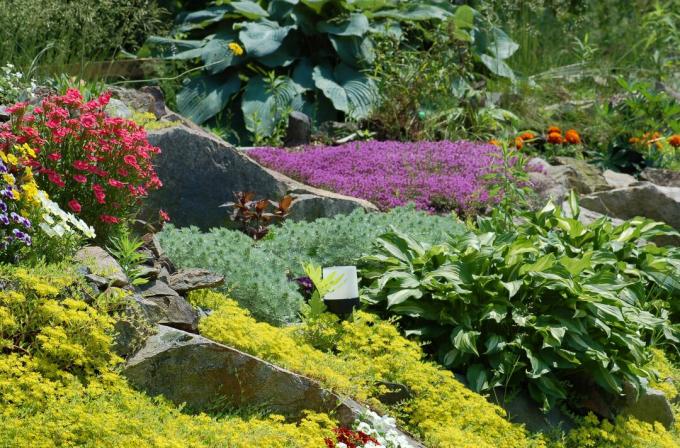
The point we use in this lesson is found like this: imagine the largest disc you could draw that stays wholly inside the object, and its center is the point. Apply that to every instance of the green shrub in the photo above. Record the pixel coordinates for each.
(341, 240)
(256, 279)
(548, 302)
(258, 274)
(75, 31)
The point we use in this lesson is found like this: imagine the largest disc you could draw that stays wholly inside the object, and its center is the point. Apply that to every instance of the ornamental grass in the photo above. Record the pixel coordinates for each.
(436, 176)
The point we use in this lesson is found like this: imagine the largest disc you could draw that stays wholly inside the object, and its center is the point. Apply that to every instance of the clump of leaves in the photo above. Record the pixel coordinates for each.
(255, 216)
(547, 302)
(126, 249)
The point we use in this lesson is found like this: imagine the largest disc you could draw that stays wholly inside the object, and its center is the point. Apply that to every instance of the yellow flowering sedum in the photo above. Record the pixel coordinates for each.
(443, 412)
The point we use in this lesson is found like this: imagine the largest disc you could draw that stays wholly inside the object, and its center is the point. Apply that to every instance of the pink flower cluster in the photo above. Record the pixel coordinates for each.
(436, 176)
(97, 166)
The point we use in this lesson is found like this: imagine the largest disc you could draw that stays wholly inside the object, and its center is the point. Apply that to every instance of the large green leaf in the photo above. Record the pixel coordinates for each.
(263, 103)
(262, 38)
(316, 5)
(349, 91)
(477, 377)
(355, 25)
(497, 66)
(249, 9)
(216, 54)
(415, 11)
(465, 341)
(200, 19)
(205, 96)
(354, 51)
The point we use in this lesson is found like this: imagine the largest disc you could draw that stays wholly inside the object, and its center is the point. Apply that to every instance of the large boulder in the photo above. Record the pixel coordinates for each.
(200, 172)
(648, 405)
(618, 180)
(578, 175)
(187, 368)
(645, 199)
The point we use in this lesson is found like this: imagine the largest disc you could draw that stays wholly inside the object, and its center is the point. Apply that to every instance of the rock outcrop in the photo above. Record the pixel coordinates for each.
(200, 172)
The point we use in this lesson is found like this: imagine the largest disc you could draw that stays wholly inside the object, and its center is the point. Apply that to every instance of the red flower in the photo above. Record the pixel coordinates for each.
(79, 178)
(116, 183)
(81, 165)
(74, 205)
(131, 160)
(99, 194)
(54, 156)
(163, 215)
(88, 121)
(109, 219)
(56, 179)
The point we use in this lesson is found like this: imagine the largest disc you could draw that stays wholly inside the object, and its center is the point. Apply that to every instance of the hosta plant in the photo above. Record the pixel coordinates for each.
(310, 55)
(547, 303)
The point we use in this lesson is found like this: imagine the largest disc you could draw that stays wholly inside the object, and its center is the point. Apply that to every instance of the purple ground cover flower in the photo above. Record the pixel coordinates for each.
(436, 176)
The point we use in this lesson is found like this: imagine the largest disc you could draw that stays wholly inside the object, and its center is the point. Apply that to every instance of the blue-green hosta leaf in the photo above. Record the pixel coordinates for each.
(285, 55)
(355, 25)
(216, 54)
(200, 19)
(262, 38)
(354, 51)
(175, 48)
(262, 104)
(414, 12)
(302, 74)
(362, 92)
(494, 344)
(371, 5)
(280, 9)
(249, 9)
(205, 96)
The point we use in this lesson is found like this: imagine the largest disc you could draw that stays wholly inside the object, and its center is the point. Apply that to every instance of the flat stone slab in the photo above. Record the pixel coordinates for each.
(188, 368)
(186, 280)
(169, 307)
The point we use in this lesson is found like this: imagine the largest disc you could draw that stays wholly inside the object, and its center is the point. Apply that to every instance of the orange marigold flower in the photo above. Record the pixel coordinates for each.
(555, 138)
(634, 140)
(554, 129)
(572, 137)
(495, 142)
(674, 140)
(519, 142)
(527, 136)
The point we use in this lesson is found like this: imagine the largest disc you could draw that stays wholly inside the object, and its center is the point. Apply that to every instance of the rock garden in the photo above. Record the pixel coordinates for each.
(342, 224)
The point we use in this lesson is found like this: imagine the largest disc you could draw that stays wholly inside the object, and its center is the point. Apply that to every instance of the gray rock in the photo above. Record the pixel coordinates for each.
(645, 199)
(149, 272)
(170, 308)
(152, 243)
(97, 280)
(102, 264)
(187, 368)
(578, 175)
(650, 406)
(201, 172)
(117, 108)
(299, 130)
(143, 100)
(618, 180)
(660, 176)
(186, 280)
